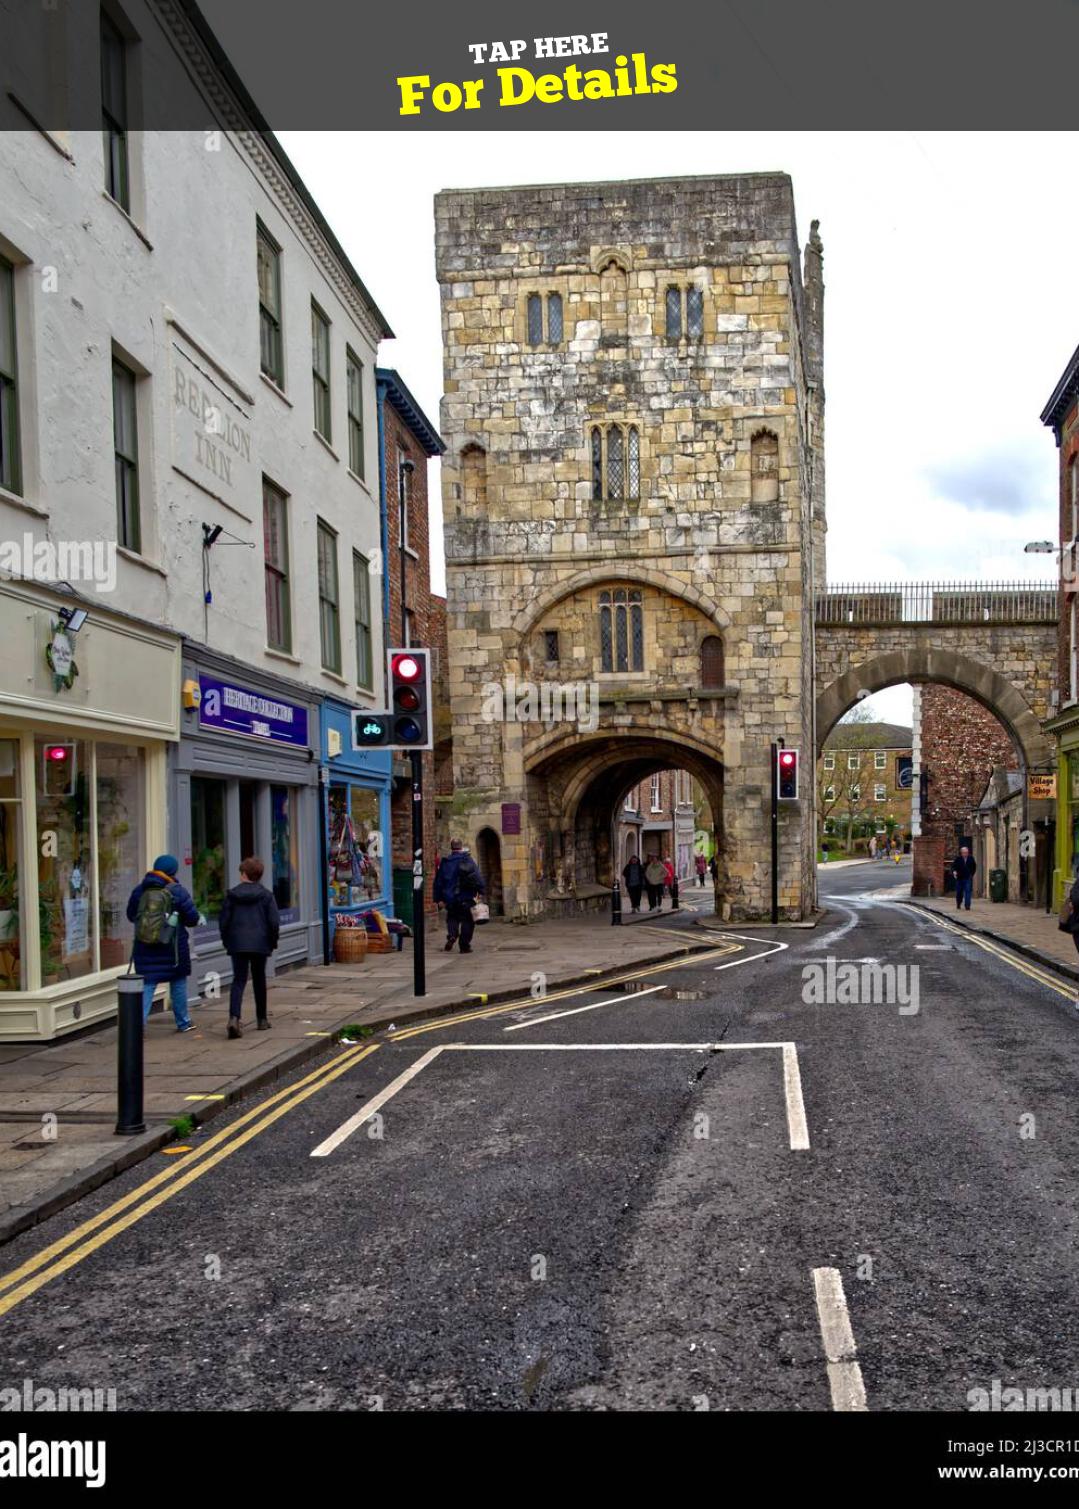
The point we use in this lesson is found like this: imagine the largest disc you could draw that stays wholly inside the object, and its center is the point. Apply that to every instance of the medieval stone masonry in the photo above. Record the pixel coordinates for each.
(633, 493)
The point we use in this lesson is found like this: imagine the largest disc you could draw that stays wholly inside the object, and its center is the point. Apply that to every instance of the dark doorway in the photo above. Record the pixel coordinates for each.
(248, 842)
(489, 859)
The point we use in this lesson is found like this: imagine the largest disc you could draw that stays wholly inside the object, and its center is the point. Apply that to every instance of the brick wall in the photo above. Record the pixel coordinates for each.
(961, 743)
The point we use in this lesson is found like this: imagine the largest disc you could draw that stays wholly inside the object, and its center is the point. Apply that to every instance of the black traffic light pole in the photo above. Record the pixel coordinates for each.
(776, 747)
(419, 976)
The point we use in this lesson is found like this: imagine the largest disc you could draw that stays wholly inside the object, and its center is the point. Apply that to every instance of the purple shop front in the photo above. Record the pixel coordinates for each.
(238, 710)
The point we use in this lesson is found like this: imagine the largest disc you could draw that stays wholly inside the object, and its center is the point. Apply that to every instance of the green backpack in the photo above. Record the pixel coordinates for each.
(152, 924)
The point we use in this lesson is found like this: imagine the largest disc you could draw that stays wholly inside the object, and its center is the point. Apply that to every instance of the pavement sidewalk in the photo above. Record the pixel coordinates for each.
(1028, 929)
(58, 1100)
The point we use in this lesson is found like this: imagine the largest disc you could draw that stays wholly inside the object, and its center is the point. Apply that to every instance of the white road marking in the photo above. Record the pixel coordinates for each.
(346, 1129)
(844, 1374)
(553, 1016)
(934, 947)
(792, 1090)
(838, 932)
(751, 958)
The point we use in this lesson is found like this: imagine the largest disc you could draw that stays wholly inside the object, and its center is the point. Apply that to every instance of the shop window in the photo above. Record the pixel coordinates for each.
(10, 469)
(284, 839)
(114, 112)
(121, 844)
(208, 845)
(355, 845)
(65, 861)
(271, 351)
(11, 960)
(320, 371)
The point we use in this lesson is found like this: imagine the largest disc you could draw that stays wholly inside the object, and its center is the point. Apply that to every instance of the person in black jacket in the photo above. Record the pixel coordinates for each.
(250, 927)
(633, 875)
(964, 869)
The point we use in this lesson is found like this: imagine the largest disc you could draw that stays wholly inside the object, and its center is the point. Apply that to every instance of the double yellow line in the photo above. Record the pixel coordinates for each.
(67, 1251)
(689, 959)
(1042, 976)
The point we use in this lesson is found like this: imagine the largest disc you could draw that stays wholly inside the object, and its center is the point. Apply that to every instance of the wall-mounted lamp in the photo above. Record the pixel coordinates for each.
(210, 534)
(72, 618)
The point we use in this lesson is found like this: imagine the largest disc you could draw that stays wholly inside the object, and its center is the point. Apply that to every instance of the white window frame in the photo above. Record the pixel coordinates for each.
(656, 795)
(854, 762)
(880, 759)
(829, 762)
(880, 792)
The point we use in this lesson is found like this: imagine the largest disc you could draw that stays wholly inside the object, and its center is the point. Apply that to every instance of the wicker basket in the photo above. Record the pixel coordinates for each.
(379, 943)
(349, 944)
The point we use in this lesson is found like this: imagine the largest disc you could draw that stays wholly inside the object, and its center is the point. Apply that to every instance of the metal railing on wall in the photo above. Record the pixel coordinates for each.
(938, 603)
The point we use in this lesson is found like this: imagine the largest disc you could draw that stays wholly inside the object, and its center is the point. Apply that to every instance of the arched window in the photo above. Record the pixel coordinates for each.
(674, 313)
(621, 630)
(554, 319)
(764, 467)
(634, 491)
(474, 478)
(613, 299)
(535, 320)
(712, 669)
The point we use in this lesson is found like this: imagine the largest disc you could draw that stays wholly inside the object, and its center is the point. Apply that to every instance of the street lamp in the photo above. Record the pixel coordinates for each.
(1039, 547)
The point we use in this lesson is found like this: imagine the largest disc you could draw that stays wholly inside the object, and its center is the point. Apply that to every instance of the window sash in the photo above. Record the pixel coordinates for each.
(694, 313)
(616, 475)
(554, 319)
(636, 636)
(275, 557)
(126, 452)
(597, 464)
(634, 489)
(328, 600)
(674, 314)
(320, 370)
(269, 281)
(114, 110)
(535, 320)
(354, 384)
(361, 589)
(9, 388)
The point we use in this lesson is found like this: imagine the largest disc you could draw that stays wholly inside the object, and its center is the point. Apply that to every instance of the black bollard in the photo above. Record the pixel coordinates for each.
(129, 1044)
(674, 894)
(616, 905)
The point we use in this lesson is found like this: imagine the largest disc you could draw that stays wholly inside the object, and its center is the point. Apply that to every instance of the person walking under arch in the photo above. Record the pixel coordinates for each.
(633, 875)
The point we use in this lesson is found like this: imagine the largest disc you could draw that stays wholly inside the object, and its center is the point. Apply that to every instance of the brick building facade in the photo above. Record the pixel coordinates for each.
(959, 745)
(1061, 415)
(658, 819)
(414, 616)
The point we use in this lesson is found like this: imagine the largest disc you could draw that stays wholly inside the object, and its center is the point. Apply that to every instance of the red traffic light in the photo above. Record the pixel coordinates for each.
(407, 698)
(407, 667)
(786, 758)
(56, 752)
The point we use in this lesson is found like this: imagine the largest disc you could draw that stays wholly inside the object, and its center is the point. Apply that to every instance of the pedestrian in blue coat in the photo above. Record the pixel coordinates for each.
(163, 910)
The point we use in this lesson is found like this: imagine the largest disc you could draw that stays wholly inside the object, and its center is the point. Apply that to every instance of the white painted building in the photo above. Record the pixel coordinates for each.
(187, 370)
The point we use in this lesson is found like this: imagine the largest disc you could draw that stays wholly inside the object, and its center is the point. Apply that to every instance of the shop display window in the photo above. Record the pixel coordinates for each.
(208, 845)
(11, 959)
(120, 778)
(355, 857)
(65, 861)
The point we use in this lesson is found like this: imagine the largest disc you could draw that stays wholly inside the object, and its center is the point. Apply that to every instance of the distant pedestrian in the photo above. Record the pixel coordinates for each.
(162, 911)
(250, 929)
(670, 880)
(655, 878)
(713, 869)
(964, 868)
(701, 866)
(633, 875)
(457, 884)
(873, 846)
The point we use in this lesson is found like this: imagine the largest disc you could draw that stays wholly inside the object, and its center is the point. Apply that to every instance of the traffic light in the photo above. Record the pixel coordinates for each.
(406, 723)
(787, 772)
(409, 682)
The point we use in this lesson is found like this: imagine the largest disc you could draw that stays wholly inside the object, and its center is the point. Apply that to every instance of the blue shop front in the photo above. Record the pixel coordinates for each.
(356, 791)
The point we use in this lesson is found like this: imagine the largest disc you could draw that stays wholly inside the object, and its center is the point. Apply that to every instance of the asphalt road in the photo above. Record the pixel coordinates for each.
(608, 1210)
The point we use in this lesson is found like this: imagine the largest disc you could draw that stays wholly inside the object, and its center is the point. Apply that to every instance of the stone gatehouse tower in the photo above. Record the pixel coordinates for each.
(633, 494)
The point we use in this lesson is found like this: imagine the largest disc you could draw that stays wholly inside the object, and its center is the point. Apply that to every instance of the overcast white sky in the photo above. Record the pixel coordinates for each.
(950, 311)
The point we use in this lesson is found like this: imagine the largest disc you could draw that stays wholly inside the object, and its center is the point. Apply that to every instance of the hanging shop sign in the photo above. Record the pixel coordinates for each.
(60, 657)
(238, 710)
(1042, 788)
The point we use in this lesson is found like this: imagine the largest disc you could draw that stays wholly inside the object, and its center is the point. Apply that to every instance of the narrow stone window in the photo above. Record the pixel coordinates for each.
(554, 319)
(674, 313)
(606, 652)
(535, 320)
(634, 492)
(613, 299)
(694, 313)
(616, 471)
(474, 478)
(597, 464)
(636, 625)
(712, 669)
(621, 630)
(621, 637)
(764, 467)
(550, 646)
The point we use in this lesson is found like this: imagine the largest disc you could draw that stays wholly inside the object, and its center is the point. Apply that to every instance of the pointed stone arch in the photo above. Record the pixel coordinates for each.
(592, 576)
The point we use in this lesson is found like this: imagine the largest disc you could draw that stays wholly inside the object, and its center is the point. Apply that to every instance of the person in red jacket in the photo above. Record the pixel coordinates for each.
(668, 869)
